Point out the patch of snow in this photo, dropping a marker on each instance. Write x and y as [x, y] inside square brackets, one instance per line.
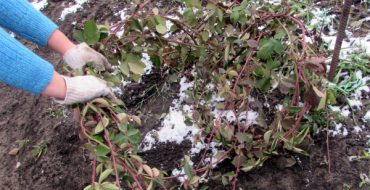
[274, 2]
[322, 19]
[174, 128]
[308, 39]
[349, 47]
[334, 108]
[251, 117]
[148, 63]
[339, 130]
[39, 4]
[357, 104]
[343, 111]
[72, 9]
[367, 116]
[357, 129]
[279, 107]
[260, 28]
[122, 14]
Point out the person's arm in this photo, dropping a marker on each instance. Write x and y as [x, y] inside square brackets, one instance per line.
[20, 17]
[20, 67]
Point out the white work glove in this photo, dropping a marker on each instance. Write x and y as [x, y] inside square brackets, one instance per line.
[84, 88]
[78, 56]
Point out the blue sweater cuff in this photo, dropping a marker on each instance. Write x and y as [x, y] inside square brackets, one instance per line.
[20, 17]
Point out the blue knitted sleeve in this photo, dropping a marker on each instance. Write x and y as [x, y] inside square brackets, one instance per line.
[20, 67]
[20, 17]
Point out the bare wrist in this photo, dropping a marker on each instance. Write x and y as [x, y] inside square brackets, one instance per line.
[59, 42]
[56, 88]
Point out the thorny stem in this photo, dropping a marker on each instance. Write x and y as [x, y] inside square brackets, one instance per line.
[341, 34]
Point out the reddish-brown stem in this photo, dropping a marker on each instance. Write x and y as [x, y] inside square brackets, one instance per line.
[250, 54]
[113, 157]
[132, 174]
[237, 171]
[93, 173]
[328, 151]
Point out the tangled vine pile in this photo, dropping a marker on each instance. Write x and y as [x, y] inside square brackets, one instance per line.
[236, 56]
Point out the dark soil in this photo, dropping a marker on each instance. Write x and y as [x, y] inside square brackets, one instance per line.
[38, 120]
[64, 165]
[309, 172]
[166, 156]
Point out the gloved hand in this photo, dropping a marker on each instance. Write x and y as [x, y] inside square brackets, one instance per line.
[78, 56]
[84, 88]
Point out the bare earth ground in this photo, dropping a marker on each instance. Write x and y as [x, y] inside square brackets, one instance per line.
[64, 165]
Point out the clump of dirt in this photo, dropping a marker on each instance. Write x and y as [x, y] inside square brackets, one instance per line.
[166, 156]
[268, 104]
[150, 99]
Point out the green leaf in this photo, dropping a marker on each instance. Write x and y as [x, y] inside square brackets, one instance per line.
[112, 79]
[227, 52]
[135, 64]
[109, 186]
[101, 125]
[234, 16]
[184, 53]
[189, 17]
[272, 64]
[99, 168]
[156, 60]
[132, 132]
[267, 47]
[264, 84]
[103, 31]
[331, 97]
[124, 68]
[188, 169]
[293, 109]
[249, 165]
[193, 3]
[162, 29]
[103, 102]
[101, 150]
[105, 174]
[266, 136]
[159, 20]
[205, 36]
[322, 103]
[301, 136]
[90, 187]
[78, 35]
[220, 14]
[136, 25]
[91, 32]
[136, 77]
[244, 137]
